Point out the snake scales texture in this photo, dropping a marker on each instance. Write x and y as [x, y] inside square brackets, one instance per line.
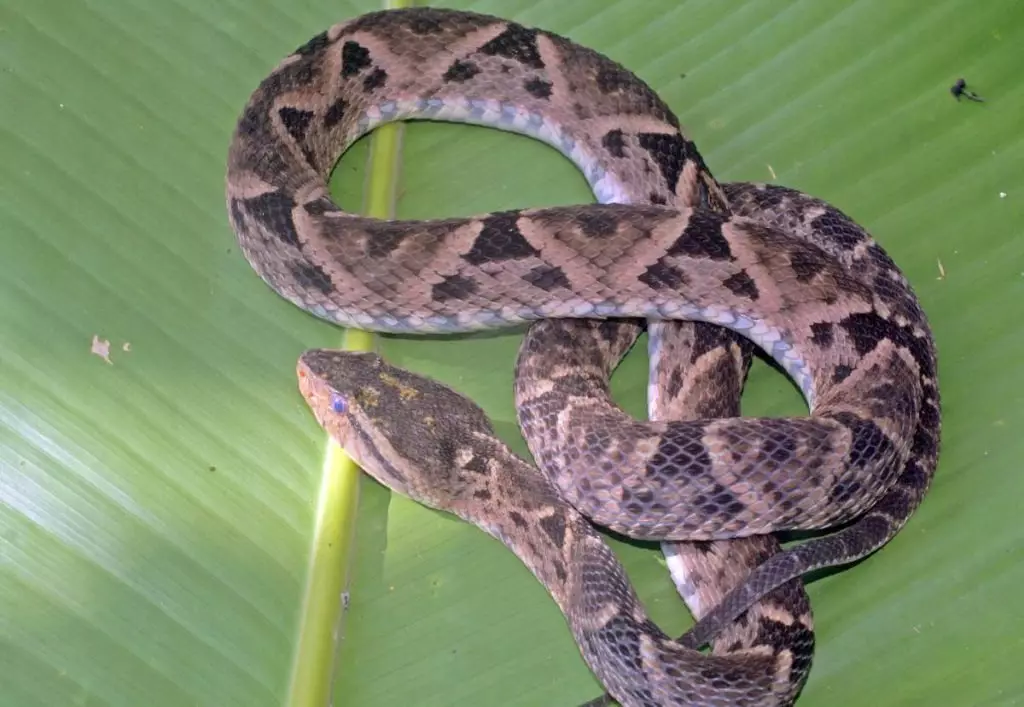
[667, 245]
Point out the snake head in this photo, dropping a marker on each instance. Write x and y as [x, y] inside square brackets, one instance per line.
[413, 434]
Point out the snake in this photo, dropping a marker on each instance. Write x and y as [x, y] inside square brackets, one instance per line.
[667, 246]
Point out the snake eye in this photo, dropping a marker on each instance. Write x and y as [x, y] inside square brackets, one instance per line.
[338, 403]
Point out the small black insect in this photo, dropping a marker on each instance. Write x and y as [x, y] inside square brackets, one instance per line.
[959, 89]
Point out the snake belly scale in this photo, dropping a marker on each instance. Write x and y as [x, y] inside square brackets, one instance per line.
[838, 316]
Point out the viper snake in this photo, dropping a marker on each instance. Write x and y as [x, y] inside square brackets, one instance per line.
[712, 271]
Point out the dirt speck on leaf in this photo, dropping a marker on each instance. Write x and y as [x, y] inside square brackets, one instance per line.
[101, 347]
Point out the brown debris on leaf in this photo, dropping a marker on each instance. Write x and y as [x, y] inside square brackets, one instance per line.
[101, 347]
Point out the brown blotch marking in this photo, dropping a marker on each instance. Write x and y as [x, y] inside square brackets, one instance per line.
[237, 212]
[376, 79]
[477, 465]
[320, 206]
[335, 113]
[679, 451]
[742, 285]
[560, 572]
[675, 382]
[454, 287]
[822, 334]
[296, 121]
[704, 547]
[668, 151]
[518, 519]
[554, 526]
[735, 646]
[538, 88]
[597, 224]
[639, 498]
[622, 631]
[681, 455]
[876, 254]
[768, 197]
[807, 264]
[314, 45]
[460, 71]
[295, 75]
[547, 278]
[887, 289]
[842, 492]
[782, 448]
[841, 373]
[708, 337]
[897, 502]
[354, 58]
[929, 414]
[887, 397]
[702, 237]
[607, 331]
[482, 495]
[716, 199]
[517, 43]
[771, 632]
[581, 111]
[614, 143]
[868, 329]
[274, 211]
[313, 275]
[425, 24]
[839, 229]
[867, 443]
[500, 239]
[383, 239]
[662, 276]
[703, 195]
[656, 198]
[614, 79]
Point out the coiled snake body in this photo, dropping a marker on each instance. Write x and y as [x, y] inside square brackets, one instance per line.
[667, 245]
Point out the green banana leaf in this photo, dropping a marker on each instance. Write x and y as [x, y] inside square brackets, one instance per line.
[163, 487]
